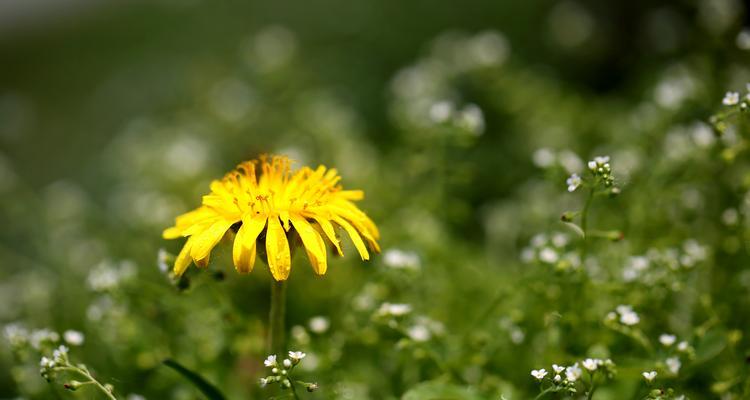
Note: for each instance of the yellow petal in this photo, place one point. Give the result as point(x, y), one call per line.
point(314, 245)
point(206, 240)
point(330, 232)
point(171, 233)
point(352, 194)
point(358, 243)
point(244, 249)
point(277, 250)
point(242, 256)
point(183, 259)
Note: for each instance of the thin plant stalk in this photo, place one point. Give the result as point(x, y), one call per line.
point(276, 331)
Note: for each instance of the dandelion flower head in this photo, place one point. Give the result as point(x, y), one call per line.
point(267, 206)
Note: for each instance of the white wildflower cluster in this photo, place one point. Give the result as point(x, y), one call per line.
point(567, 160)
point(107, 276)
point(390, 310)
point(623, 315)
point(281, 371)
point(401, 259)
point(683, 141)
point(658, 266)
point(676, 352)
point(422, 329)
point(50, 365)
point(413, 328)
point(468, 118)
point(554, 249)
point(602, 171)
point(568, 379)
point(43, 339)
point(424, 94)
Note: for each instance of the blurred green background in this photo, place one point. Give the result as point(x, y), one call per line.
point(115, 116)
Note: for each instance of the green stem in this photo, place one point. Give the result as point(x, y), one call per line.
point(91, 380)
point(294, 389)
point(544, 393)
point(276, 332)
point(584, 219)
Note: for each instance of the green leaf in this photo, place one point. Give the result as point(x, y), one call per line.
point(439, 391)
point(203, 385)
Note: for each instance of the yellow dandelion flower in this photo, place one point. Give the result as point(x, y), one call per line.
point(266, 204)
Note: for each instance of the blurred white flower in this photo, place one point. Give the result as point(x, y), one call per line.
point(419, 333)
point(673, 364)
point(548, 255)
point(395, 310)
point(667, 339)
point(743, 39)
point(627, 315)
point(590, 364)
point(74, 338)
point(573, 373)
point(401, 259)
point(441, 111)
point(319, 324)
point(731, 98)
point(649, 376)
point(544, 157)
point(16, 334)
point(683, 346)
point(558, 368)
point(471, 118)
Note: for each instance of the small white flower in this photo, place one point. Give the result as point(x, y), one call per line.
point(590, 364)
point(441, 111)
point(60, 353)
point(287, 363)
point(319, 324)
point(539, 374)
point(557, 378)
point(558, 368)
point(401, 259)
point(296, 356)
point(666, 339)
point(263, 382)
point(574, 182)
point(471, 118)
point(592, 165)
point(47, 363)
point(573, 373)
point(270, 361)
point(395, 310)
point(419, 333)
point(548, 255)
point(649, 376)
point(601, 160)
point(544, 157)
point(731, 98)
point(627, 315)
point(683, 346)
point(673, 364)
point(74, 338)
